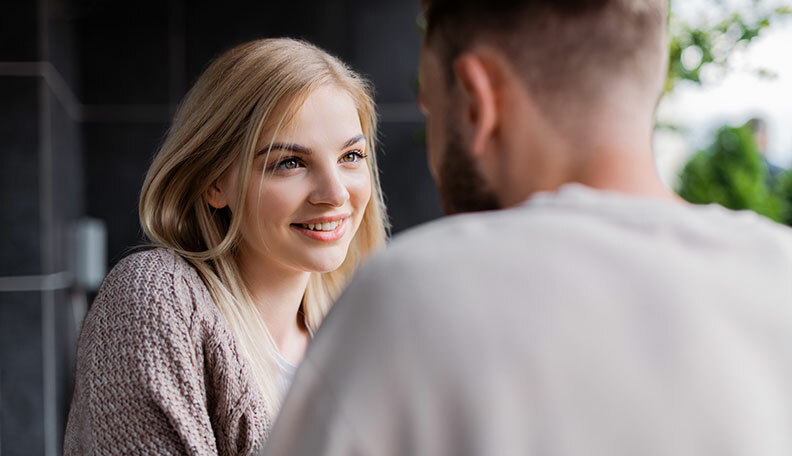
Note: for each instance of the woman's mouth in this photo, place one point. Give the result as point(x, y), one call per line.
point(327, 226)
point(327, 231)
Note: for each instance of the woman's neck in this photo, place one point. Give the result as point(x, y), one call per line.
point(277, 292)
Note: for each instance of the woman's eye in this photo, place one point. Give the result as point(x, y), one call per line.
point(353, 156)
point(289, 163)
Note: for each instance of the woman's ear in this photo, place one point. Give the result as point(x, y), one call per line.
point(215, 196)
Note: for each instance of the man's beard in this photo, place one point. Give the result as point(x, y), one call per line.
point(461, 187)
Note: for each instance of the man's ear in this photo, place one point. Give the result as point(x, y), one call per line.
point(215, 196)
point(477, 80)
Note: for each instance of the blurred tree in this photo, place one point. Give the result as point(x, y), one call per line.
point(783, 188)
point(731, 172)
point(710, 43)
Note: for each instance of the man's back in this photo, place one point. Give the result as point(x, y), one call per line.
point(581, 322)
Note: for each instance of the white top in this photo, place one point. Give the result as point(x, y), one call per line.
point(287, 371)
point(582, 322)
point(286, 368)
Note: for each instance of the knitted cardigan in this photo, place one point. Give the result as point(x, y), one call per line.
point(159, 370)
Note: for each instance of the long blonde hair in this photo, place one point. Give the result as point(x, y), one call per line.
point(253, 88)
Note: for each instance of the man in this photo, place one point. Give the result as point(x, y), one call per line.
point(594, 313)
point(758, 127)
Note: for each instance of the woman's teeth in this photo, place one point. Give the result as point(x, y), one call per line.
point(327, 226)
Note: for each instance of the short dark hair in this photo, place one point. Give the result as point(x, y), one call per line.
point(757, 125)
point(561, 47)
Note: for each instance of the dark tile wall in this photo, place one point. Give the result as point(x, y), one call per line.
point(385, 40)
point(117, 157)
point(326, 23)
point(19, 176)
point(21, 401)
point(65, 332)
point(409, 190)
point(66, 206)
point(123, 52)
point(41, 190)
point(18, 31)
point(62, 51)
point(21, 356)
point(68, 193)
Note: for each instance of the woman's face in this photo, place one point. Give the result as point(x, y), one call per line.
point(306, 200)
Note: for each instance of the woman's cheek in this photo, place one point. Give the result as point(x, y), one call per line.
point(359, 187)
point(282, 195)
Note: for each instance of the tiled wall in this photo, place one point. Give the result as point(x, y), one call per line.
point(41, 189)
point(87, 89)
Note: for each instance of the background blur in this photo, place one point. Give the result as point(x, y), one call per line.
point(88, 87)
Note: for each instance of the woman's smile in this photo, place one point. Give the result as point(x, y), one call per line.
point(323, 229)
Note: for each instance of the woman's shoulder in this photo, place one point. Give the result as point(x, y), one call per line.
point(155, 269)
point(150, 264)
point(151, 285)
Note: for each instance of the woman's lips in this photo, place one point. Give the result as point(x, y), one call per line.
point(323, 236)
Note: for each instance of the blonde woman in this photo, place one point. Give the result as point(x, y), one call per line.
point(262, 201)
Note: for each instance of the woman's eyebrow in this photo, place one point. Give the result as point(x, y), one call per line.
point(296, 148)
point(354, 140)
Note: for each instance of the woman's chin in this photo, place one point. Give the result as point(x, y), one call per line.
point(327, 264)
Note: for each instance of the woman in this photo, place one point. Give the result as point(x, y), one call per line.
point(262, 201)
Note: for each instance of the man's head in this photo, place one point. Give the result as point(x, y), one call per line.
point(527, 89)
point(758, 127)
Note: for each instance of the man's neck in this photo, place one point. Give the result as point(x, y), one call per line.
point(632, 173)
point(617, 169)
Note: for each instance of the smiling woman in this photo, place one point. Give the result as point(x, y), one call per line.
point(261, 203)
point(311, 184)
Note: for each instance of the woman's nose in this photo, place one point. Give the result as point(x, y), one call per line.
point(329, 188)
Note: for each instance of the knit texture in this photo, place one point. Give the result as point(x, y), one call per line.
point(159, 370)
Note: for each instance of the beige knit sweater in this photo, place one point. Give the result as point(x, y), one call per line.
point(159, 371)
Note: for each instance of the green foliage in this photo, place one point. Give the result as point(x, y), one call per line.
point(711, 43)
point(783, 188)
point(731, 172)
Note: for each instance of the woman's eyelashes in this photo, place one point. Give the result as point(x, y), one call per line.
point(287, 164)
point(353, 156)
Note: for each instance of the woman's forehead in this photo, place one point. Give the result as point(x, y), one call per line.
point(327, 116)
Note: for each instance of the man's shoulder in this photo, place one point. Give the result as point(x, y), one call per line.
point(457, 238)
point(434, 251)
point(531, 237)
point(455, 234)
